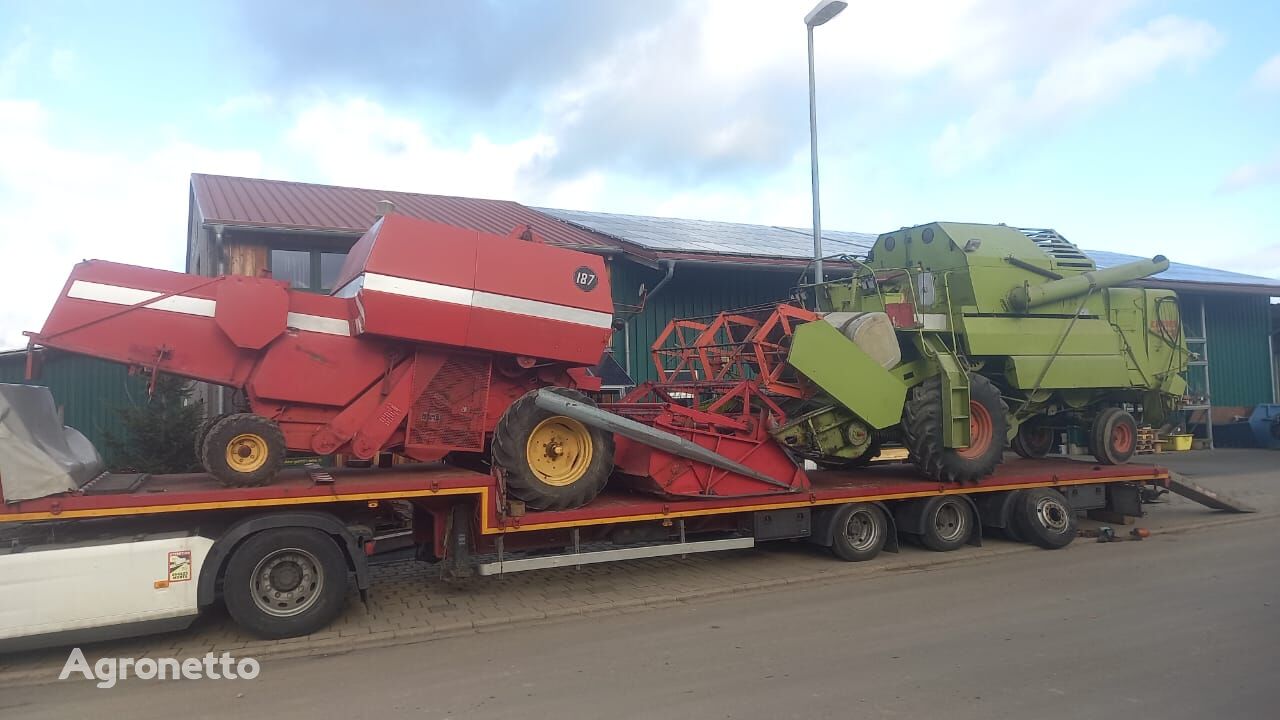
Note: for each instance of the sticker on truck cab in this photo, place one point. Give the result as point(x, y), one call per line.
point(179, 566)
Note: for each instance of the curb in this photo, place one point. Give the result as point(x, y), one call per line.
point(303, 647)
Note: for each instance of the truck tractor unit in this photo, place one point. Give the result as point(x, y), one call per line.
point(953, 340)
point(431, 346)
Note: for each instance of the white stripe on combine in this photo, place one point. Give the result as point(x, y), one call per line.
point(117, 295)
point(318, 324)
point(187, 305)
point(485, 300)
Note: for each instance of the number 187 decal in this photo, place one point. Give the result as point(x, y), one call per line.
point(585, 278)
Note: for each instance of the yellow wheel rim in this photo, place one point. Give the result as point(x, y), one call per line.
point(559, 450)
point(247, 452)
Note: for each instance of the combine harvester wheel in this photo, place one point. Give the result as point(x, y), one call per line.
point(243, 450)
point(1114, 436)
point(988, 426)
point(551, 462)
point(1033, 440)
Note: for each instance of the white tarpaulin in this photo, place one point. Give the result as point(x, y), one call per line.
point(39, 456)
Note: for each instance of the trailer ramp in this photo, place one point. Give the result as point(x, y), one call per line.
point(1181, 485)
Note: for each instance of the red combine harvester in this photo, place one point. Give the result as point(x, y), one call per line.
point(432, 345)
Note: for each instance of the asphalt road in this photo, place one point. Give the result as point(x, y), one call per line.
point(1179, 626)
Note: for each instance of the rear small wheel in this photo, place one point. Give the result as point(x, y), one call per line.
point(1113, 436)
point(1046, 518)
point(285, 582)
point(1033, 440)
point(202, 431)
point(948, 521)
point(243, 450)
point(859, 532)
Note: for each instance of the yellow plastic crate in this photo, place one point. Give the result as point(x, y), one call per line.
point(1177, 443)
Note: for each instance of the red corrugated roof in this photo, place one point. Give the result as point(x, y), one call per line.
point(277, 204)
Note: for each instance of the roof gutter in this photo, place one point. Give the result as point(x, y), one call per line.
point(355, 235)
point(763, 266)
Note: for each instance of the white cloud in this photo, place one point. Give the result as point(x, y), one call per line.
point(1091, 75)
point(60, 205)
point(62, 64)
point(1263, 172)
point(15, 59)
point(359, 142)
point(1267, 76)
point(254, 102)
point(718, 89)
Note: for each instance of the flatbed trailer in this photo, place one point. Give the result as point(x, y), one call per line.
point(133, 554)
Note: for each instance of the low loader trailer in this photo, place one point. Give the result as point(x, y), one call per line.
point(134, 554)
point(473, 355)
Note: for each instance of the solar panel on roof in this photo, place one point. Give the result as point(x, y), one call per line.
point(709, 236)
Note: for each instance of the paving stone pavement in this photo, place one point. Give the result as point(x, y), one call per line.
point(409, 602)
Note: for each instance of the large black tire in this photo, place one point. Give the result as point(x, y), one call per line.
point(243, 450)
point(589, 454)
point(1113, 438)
point(859, 532)
point(1033, 440)
point(285, 582)
point(1044, 517)
point(922, 432)
point(1011, 529)
point(948, 523)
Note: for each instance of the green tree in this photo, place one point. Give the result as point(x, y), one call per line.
point(157, 436)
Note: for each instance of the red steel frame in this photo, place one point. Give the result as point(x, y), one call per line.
point(437, 488)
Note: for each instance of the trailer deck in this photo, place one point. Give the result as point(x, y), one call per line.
point(169, 545)
point(295, 487)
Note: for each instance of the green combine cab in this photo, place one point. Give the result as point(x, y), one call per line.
point(958, 339)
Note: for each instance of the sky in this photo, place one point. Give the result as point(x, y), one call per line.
point(1134, 126)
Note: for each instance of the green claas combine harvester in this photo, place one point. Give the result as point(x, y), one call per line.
point(952, 340)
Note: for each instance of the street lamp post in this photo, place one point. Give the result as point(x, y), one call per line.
point(819, 15)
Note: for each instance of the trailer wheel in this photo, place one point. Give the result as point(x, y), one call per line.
point(1113, 437)
point(1012, 530)
point(551, 462)
point(1045, 517)
point(243, 450)
point(1033, 440)
point(988, 426)
point(285, 582)
point(861, 530)
point(947, 521)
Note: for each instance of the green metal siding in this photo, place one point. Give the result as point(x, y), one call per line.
point(89, 390)
point(694, 291)
point(1239, 358)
